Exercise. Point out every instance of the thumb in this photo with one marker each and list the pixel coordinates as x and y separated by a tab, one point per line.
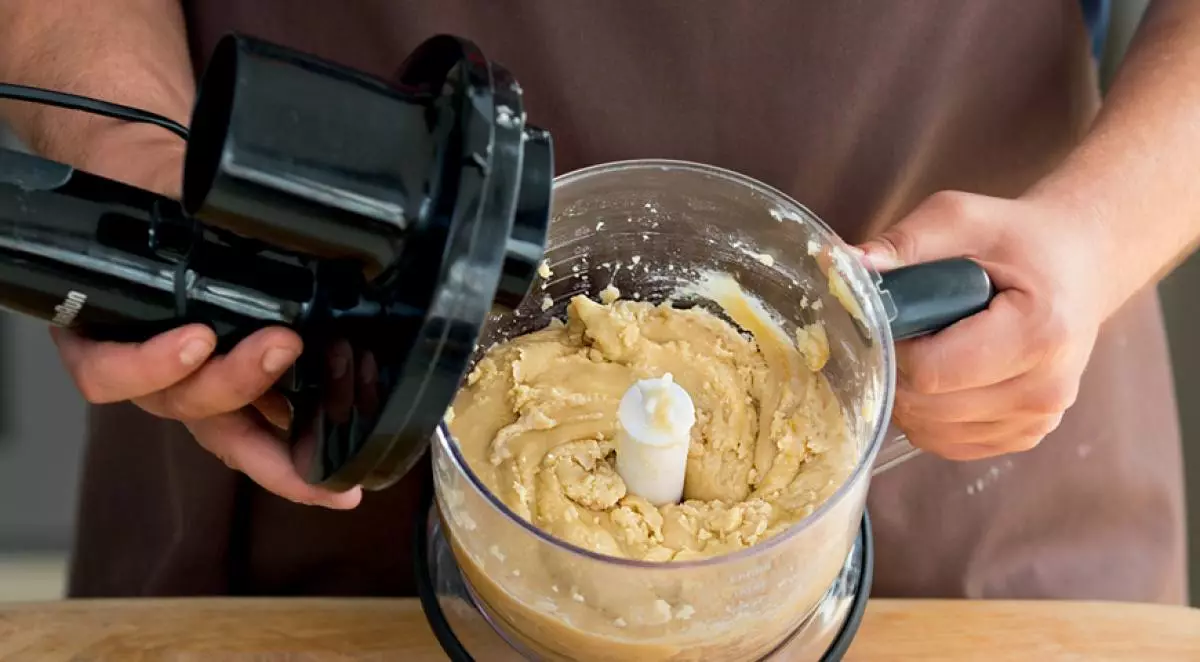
947	224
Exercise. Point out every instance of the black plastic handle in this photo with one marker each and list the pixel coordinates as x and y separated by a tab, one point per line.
931	296
115	262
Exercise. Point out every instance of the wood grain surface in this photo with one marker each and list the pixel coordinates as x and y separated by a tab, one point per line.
268	630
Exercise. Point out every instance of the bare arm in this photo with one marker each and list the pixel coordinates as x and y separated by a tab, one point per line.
132	52
1138	171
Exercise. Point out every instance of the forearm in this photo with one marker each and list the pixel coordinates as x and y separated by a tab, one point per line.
132	52
1137	173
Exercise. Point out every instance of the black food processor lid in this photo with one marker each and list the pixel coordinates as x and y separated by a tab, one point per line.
420	204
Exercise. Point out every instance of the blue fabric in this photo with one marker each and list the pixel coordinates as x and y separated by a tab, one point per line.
1096	13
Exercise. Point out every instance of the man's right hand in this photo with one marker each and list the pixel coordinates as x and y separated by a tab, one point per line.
225	401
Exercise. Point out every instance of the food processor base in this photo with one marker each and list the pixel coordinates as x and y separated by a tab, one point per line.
466	631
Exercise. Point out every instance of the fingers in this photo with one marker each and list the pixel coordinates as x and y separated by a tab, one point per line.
231	382
351	383
1032	395
1011	416
926	434
977	440
1019	332
244	445
966	452
107	372
275	408
368	384
339	381
167	375
986	348
947	224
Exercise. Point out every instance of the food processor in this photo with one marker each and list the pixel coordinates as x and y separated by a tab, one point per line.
652	229
403	221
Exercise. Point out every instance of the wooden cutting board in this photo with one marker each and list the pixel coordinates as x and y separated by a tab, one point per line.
314	630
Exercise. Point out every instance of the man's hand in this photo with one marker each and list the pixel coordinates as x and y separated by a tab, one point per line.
225	401
1117	214
999	381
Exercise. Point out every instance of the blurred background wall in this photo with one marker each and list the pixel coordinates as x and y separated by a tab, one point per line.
41	447
42	429
1180	294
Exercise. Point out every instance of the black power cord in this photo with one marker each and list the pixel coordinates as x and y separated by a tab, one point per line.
89	105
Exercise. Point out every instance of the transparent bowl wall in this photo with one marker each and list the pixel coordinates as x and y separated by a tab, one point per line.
679	219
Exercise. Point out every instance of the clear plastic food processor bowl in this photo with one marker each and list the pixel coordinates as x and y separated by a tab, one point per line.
679	220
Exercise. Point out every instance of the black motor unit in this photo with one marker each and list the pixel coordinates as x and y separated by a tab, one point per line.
380	219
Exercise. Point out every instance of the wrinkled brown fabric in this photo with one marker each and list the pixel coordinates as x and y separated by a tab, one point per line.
858	109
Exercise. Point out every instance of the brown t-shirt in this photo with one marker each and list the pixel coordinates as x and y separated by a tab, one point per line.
857	109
